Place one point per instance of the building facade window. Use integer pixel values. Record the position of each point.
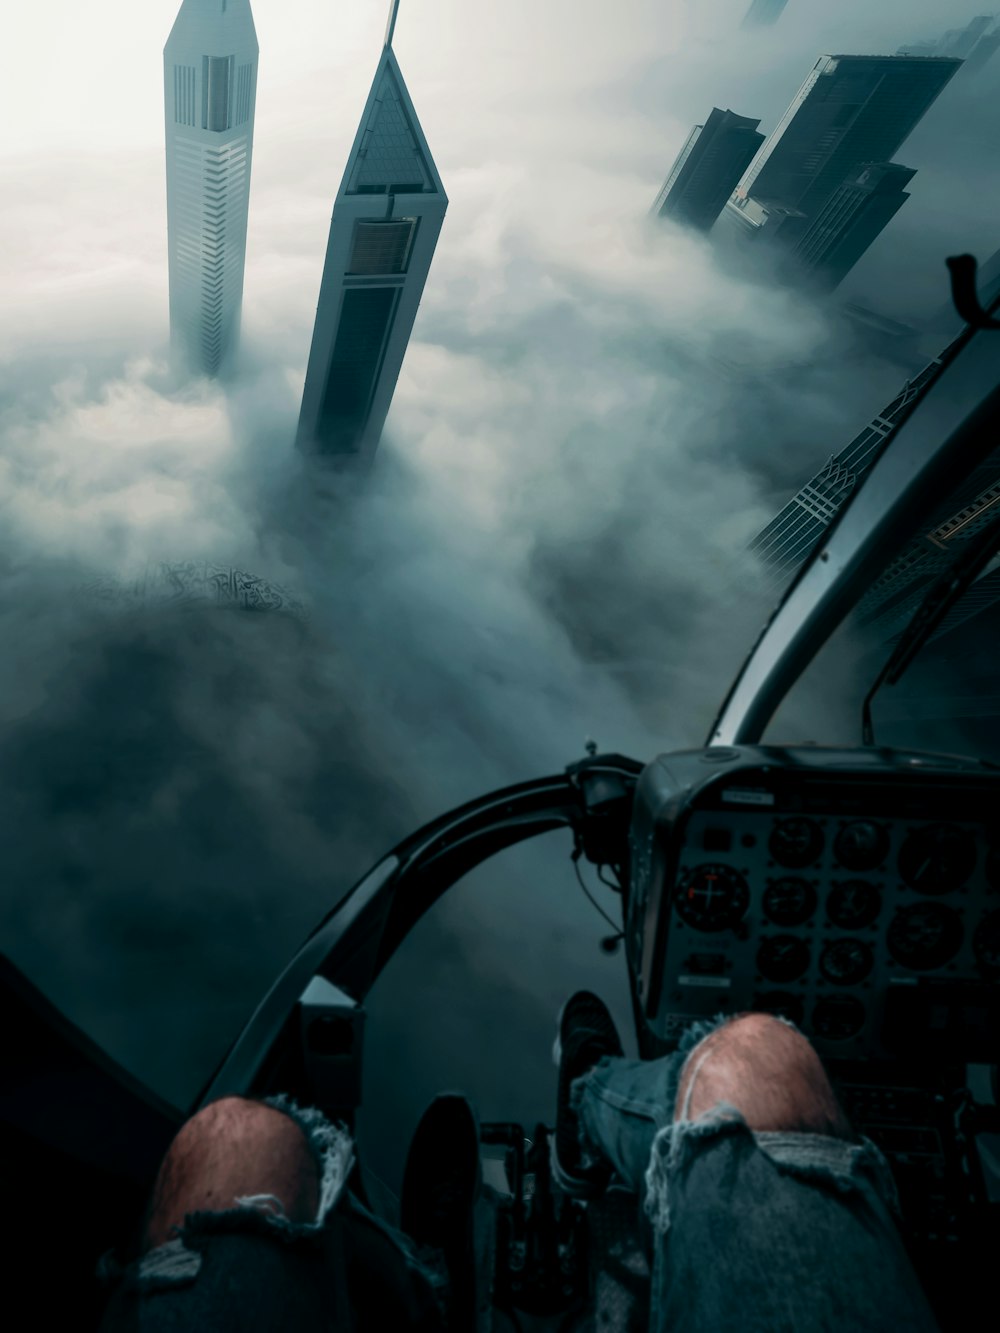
(184, 81)
(217, 92)
(381, 246)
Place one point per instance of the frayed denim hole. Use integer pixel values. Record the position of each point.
(333, 1149)
(170, 1265)
(672, 1146)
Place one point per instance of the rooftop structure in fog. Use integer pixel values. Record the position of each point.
(850, 221)
(850, 110)
(875, 334)
(210, 85)
(386, 219)
(975, 43)
(706, 170)
(762, 13)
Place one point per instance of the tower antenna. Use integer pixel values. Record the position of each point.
(390, 27)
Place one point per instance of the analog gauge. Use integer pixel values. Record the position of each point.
(925, 935)
(781, 1002)
(854, 904)
(838, 1017)
(861, 845)
(789, 902)
(846, 962)
(712, 897)
(782, 957)
(796, 842)
(986, 944)
(937, 859)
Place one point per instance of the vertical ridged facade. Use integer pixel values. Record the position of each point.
(853, 218)
(210, 86)
(383, 233)
(706, 171)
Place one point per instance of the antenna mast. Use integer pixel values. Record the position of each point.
(390, 27)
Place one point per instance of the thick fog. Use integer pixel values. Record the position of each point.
(592, 420)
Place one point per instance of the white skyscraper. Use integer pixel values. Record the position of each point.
(386, 219)
(210, 86)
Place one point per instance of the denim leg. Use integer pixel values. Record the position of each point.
(766, 1232)
(249, 1261)
(621, 1105)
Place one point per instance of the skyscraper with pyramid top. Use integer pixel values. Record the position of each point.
(386, 220)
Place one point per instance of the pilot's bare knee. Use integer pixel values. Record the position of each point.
(232, 1149)
(768, 1071)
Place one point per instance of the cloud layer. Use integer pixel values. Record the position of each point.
(592, 420)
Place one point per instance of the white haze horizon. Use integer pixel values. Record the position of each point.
(592, 420)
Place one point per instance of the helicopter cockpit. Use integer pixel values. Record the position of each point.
(854, 889)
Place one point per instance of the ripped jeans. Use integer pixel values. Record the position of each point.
(247, 1267)
(760, 1232)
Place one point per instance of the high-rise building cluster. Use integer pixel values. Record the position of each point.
(822, 186)
(386, 220)
(814, 195)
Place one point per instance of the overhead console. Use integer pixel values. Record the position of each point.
(857, 892)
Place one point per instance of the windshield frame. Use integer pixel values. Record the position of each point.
(941, 441)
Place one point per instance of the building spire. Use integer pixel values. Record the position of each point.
(390, 27)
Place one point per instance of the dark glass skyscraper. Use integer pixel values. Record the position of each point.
(852, 218)
(850, 110)
(713, 159)
(385, 226)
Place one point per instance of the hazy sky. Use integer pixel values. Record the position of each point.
(591, 421)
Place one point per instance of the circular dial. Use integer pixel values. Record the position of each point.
(846, 962)
(854, 904)
(861, 845)
(924, 935)
(986, 944)
(796, 842)
(712, 897)
(789, 902)
(838, 1017)
(781, 1002)
(937, 859)
(782, 957)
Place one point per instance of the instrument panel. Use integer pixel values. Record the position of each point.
(867, 913)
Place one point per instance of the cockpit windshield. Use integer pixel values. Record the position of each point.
(913, 663)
